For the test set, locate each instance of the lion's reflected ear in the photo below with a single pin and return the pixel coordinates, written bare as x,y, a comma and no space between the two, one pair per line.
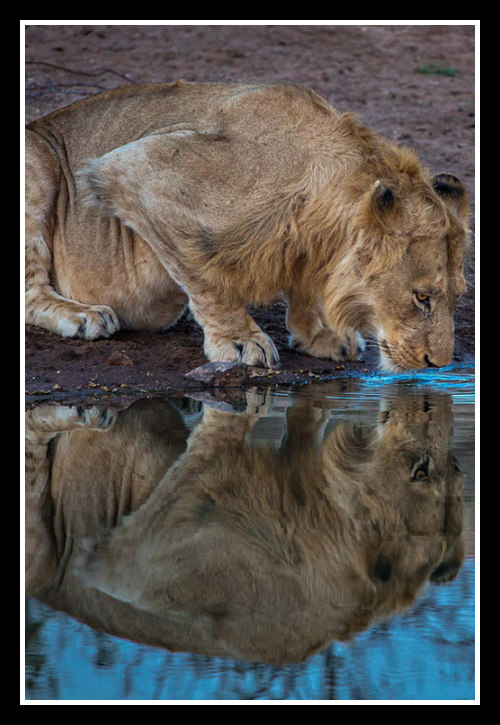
382,570
446,572
383,197
452,192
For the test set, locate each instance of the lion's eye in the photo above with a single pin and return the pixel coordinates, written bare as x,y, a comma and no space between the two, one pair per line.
423,299
420,471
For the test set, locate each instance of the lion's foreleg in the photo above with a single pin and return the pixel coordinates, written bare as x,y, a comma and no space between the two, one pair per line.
231,333
310,333
305,426
303,322
219,431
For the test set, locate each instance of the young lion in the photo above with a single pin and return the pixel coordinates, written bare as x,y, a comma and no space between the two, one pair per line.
143,200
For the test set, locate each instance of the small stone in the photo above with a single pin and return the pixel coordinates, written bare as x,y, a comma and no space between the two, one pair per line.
119,358
219,373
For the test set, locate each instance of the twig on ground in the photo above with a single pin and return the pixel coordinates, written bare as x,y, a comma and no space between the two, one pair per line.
49,89
81,72
56,86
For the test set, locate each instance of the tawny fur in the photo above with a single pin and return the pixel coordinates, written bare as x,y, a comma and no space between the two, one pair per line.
213,544
144,199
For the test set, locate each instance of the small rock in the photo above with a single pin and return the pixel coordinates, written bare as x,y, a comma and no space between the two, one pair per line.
219,373
119,358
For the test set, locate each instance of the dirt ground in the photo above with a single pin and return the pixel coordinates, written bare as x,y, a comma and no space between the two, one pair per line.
413,84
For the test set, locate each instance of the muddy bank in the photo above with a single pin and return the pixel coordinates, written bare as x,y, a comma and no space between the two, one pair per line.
154,361
138,363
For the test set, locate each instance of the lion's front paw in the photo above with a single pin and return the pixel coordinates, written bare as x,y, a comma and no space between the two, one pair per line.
96,417
257,349
90,323
59,418
258,402
327,344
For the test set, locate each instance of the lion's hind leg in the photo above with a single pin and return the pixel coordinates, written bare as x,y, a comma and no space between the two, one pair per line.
43,305
42,425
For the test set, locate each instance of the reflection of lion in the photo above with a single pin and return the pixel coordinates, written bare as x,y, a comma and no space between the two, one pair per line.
221,195
94,463
243,551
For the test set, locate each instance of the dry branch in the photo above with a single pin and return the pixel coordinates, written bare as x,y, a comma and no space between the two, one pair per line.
81,72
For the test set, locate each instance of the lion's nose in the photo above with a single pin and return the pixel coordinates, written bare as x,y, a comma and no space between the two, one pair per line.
430,364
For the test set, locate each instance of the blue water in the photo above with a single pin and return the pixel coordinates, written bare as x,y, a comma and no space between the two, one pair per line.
424,653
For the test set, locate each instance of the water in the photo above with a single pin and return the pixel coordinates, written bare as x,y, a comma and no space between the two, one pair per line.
314,545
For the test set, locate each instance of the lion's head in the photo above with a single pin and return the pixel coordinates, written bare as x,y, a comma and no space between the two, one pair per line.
413,267
405,269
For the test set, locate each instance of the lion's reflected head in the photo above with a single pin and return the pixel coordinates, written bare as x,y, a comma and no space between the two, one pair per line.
413,458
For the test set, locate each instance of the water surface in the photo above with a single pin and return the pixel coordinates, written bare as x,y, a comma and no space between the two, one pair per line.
272,545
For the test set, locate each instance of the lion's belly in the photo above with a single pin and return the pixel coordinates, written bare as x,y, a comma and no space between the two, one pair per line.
111,265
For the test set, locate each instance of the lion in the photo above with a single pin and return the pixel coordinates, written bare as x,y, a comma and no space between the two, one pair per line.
144,200
194,537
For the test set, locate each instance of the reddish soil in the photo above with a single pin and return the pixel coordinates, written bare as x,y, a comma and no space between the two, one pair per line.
413,84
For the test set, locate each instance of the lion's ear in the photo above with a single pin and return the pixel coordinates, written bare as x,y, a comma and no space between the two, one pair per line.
382,197
452,192
448,185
